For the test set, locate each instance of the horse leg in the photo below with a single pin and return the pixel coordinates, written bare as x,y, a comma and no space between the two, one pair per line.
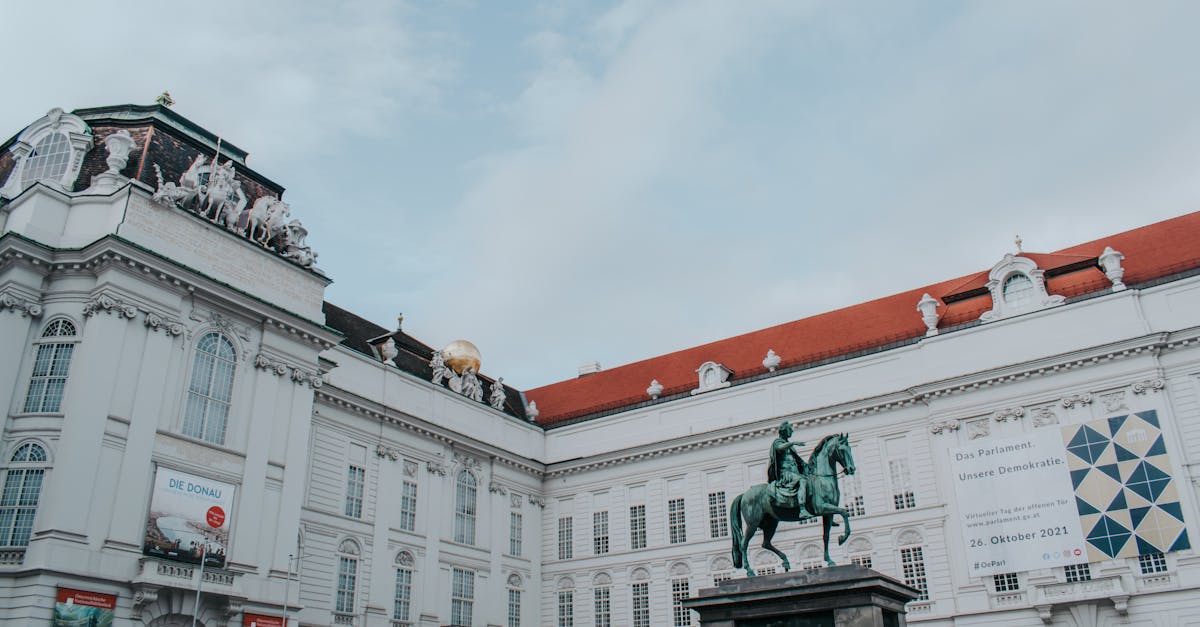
750,527
826,523
768,525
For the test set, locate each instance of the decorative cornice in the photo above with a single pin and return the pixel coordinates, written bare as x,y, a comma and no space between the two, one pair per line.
537,500
28,308
496,488
1149,385
389,452
1077,399
467,461
298,375
109,305
945,426
155,322
1008,414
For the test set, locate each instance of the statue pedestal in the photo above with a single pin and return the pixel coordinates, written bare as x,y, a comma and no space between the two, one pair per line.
841,596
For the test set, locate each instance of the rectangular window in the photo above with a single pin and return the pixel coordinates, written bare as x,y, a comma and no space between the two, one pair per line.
722,575
408,506
902,492
637,527
356,478
403,602
49,378
912,566
603,606
347,579
679,592
852,495
514,608
565,540
641,604
600,532
862,559
1151,563
566,608
462,597
1006,582
515,527
1078,572
718,515
676,521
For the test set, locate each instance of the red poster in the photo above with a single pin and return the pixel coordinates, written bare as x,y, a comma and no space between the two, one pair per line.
258,620
68,596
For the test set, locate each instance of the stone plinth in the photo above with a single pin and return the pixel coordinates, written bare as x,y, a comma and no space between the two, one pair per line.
842,596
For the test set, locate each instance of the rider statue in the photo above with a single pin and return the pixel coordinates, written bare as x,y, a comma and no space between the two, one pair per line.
786,470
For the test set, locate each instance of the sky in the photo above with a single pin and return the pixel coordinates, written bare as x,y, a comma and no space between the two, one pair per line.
562,183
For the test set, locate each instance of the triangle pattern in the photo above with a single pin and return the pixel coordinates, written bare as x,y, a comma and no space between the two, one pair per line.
1110,470
1123,454
1085,508
1115,423
1118,504
1137,514
1158,448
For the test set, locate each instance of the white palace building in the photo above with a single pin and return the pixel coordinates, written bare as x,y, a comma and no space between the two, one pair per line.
177,391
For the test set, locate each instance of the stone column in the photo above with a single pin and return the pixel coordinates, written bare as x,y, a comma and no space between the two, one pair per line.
15,324
86,404
256,522
297,429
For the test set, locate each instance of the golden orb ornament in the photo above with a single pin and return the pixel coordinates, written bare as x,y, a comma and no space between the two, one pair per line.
460,355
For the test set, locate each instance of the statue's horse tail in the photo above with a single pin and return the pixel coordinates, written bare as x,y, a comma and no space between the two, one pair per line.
735,520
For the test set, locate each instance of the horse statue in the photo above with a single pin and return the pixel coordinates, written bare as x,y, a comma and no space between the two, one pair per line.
821,495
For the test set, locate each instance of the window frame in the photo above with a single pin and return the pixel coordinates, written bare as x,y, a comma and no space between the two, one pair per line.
637,526
24,468
718,515
54,343
600,533
408,506
404,568
566,537
677,520
345,598
188,392
356,487
462,596
466,507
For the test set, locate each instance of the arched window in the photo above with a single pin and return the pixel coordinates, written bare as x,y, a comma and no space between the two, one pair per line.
347,581
464,508
49,160
50,366
210,390
22,487
1018,290
402,607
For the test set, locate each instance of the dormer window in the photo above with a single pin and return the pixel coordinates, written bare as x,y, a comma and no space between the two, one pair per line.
712,376
1017,286
1018,290
48,161
49,151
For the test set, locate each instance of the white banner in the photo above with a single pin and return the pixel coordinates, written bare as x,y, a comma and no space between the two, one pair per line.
187,514
1017,504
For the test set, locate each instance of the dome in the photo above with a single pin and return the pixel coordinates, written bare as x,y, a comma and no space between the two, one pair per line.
460,355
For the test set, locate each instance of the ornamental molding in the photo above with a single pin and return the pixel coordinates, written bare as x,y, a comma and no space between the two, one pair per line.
1008,414
945,426
496,488
28,308
410,468
514,500
155,323
979,429
108,305
222,323
210,190
468,462
1008,267
72,127
1113,401
1149,385
1044,416
297,374
388,452
1077,399
537,501
712,376
435,468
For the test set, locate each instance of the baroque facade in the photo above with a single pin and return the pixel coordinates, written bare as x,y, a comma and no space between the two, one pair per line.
184,409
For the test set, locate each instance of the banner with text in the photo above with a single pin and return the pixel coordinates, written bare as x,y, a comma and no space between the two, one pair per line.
83,609
1017,504
189,515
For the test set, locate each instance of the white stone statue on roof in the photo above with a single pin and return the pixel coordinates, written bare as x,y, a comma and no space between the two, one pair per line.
472,388
496,398
438,364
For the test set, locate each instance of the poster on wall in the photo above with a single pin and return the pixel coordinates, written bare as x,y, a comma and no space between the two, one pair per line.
259,620
189,516
1067,495
78,608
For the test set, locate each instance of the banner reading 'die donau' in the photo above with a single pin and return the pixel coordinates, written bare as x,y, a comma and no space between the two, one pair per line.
188,513
1066,495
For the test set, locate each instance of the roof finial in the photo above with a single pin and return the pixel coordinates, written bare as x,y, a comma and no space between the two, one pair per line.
1017,241
165,99
399,321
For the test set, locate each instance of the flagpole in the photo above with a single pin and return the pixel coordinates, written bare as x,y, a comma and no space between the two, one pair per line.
200,580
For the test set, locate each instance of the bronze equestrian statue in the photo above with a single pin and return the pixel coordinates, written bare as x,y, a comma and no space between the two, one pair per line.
797,491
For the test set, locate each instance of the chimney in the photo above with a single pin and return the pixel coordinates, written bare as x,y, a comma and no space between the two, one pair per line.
592,367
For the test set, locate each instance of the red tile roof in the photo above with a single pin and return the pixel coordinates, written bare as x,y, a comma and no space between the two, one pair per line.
1151,252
